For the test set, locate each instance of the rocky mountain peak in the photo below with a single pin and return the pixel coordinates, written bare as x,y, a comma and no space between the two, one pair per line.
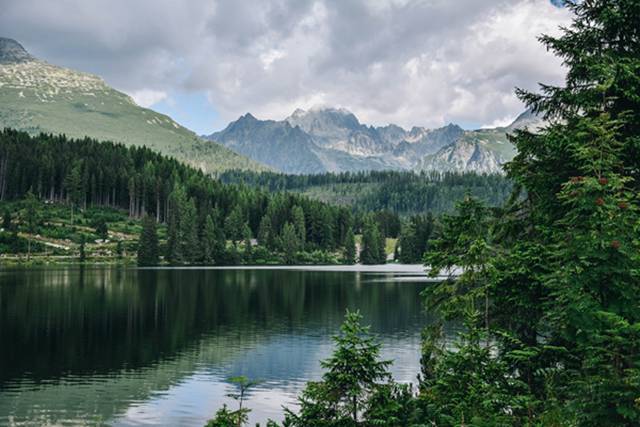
12,52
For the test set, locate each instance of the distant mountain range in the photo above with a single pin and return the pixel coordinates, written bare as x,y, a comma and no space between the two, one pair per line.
36,96
334,140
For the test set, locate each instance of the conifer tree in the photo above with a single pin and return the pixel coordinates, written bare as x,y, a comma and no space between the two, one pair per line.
31,217
289,243
148,243
75,188
354,373
297,214
370,253
189,233
265,232
82,249
6,219
208,244
349,253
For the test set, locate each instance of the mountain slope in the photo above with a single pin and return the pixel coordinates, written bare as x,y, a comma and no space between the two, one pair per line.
288,148
334,140
39,97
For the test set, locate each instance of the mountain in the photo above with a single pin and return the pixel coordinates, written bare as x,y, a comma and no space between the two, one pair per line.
36,96
334,140
311,145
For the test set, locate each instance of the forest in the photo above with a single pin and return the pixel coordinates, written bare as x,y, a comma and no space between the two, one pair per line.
548,286
405,193
203,221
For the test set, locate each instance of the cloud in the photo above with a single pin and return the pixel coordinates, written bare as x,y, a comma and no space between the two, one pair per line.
411,62
147,97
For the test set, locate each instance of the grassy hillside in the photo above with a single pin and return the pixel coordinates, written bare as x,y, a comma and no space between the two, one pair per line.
39,97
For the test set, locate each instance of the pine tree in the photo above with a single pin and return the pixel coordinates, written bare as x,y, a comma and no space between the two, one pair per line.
177,201
32,216
349,254
234,225
370,253
119,249
75,187
209,242
102,230
289,243
248,247
6,219
82,250
382,248
265,232
297,214
148,243
189,233
353,375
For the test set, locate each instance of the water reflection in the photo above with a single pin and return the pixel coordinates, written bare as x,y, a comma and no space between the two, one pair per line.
125,346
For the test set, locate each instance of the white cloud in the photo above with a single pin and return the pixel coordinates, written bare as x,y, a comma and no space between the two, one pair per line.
147,97
411,62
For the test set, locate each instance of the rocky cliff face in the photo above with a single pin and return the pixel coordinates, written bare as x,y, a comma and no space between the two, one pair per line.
12,52
334,140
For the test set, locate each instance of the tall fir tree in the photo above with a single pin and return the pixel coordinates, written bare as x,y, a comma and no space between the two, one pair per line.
349,254
148,252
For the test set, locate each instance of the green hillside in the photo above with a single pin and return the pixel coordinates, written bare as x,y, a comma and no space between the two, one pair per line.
39,97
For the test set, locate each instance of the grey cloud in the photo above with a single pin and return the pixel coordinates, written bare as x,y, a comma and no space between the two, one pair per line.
419,62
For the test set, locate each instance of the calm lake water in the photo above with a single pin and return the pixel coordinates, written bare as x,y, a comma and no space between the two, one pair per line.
113,346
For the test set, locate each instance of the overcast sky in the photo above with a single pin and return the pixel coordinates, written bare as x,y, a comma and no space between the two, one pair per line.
206,62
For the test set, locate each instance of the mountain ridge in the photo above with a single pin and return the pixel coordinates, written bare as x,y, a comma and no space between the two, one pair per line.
36,96
339,142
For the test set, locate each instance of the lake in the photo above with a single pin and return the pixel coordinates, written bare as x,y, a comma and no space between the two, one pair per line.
122,347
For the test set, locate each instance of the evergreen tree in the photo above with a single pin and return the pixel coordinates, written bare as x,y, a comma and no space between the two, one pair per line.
6,219
370,253
557,262
382,248
119,249
265,232
289,243
353,375
189,233
175,229
102,230
248,247
32,216
234,225
209,242
297,214
148,243
349,254
82,249
75,188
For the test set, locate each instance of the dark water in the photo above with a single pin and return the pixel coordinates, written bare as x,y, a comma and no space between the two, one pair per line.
155,347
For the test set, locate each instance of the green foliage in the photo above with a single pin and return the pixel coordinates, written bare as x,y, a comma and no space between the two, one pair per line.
349,254
373,245
354,376
226,418
6,219
289,243
556,265
82,249
405,193
101,229
148,243
414,238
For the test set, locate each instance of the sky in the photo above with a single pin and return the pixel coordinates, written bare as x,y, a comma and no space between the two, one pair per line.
206,62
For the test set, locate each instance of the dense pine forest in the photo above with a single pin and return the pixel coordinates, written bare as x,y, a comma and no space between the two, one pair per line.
405,193
204,220
548,286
